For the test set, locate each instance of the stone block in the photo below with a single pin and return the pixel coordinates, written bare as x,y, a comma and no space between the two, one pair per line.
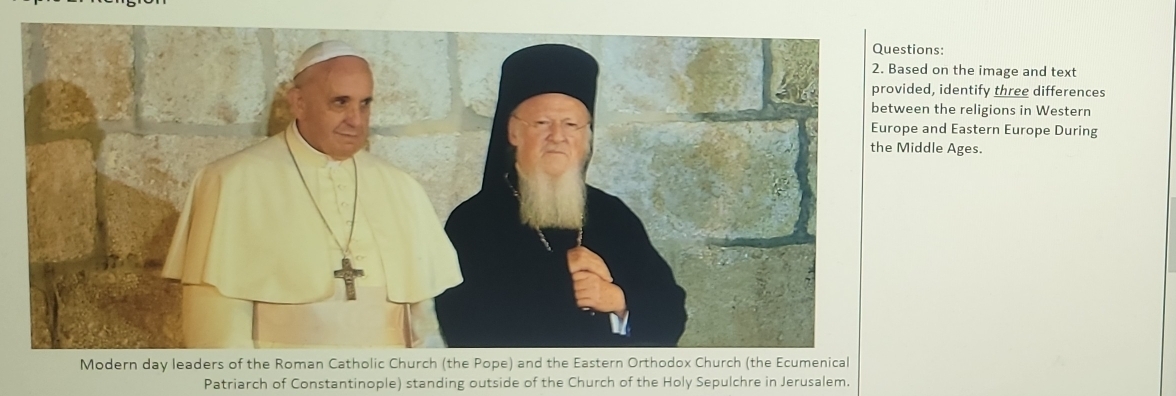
680,75
57,108
449,166
99,59
205,76
480,57
410,70
145,182
139,226
745,297
62,215
118,309
703,180
811,129
39,317
795,66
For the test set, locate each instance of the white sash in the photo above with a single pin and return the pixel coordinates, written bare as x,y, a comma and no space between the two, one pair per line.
368,321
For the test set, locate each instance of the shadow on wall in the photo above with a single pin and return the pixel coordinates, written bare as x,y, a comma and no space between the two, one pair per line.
96,245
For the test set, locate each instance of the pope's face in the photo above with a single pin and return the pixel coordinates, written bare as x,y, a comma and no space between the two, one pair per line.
550,133
333,106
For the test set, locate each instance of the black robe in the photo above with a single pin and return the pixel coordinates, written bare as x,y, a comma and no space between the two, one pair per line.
517,294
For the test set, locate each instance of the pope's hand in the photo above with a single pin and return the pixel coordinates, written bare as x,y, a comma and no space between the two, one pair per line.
592,283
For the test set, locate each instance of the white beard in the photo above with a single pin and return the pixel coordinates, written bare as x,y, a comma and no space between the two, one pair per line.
552,202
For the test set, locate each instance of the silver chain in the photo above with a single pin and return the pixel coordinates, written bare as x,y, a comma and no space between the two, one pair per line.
542,238
355,202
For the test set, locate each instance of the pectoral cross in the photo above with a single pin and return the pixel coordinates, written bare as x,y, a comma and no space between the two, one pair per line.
348,275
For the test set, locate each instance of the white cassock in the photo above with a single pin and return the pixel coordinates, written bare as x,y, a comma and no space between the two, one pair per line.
257,261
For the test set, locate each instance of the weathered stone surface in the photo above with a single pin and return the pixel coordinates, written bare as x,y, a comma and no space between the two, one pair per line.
163,166
745,297
410,69
209,76
480,59
139,226
40,319
811,130
118,309
145,181
57,107
62,212
697,180
681,75
97,58
795,66
449,167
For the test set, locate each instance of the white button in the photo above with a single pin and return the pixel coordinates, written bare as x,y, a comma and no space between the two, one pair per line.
360,258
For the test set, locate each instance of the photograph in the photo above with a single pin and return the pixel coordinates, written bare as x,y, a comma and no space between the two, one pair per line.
230,187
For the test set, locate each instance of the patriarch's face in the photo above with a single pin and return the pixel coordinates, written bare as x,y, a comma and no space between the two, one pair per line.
551,134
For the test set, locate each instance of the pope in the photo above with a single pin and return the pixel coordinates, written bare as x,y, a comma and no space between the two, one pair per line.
305,239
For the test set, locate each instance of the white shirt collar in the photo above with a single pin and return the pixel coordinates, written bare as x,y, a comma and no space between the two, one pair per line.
310,153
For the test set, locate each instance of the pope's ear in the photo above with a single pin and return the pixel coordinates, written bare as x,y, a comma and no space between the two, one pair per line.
294,101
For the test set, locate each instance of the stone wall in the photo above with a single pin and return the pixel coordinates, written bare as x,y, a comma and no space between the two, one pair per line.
712,142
